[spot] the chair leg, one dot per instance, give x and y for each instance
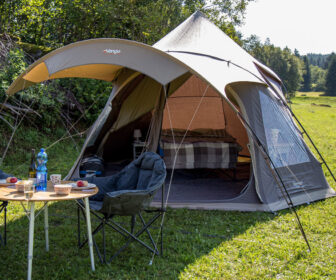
(104, 242)
(148, 233)
(131, 236)
(133, 218)
(134, 237)
(3, 207)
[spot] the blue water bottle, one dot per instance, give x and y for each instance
(41, 171)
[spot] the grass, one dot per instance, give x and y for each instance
(61, 155)
(198, 244)
(311, 93)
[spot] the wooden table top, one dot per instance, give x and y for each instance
(10, 194)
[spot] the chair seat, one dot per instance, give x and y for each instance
(95, 205)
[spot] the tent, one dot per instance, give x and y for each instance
(204, 103)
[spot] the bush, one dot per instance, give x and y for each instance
(63, 100)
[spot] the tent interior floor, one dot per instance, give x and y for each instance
(205, 185)
(199, 185)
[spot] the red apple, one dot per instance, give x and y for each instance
(13, 179)
(80, 184)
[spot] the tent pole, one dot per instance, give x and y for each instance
(301, 125)
(311, 141)
(276, 176)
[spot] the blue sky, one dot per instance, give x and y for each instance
(307, 25)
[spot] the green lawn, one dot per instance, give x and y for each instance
(198, 244)
(311, 93)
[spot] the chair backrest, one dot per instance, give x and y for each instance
(148, 174)
(151, 171)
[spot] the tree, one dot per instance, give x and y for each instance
(297, 53)
(282, 61)
(53, 23)
(306, 86)
(318, 76)
(331, 78)
(328, 60)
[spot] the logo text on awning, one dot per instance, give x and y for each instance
(111, 51)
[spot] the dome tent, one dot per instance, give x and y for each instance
(195, 78)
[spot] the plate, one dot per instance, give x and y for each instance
(3, 183)
(89, 186)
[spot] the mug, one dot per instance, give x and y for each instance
(55, 178)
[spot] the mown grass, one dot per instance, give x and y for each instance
(311, 93)
(198, 244)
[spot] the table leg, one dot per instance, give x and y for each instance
(31, 239)
(5, 221)
(88, 222)
(46, 227)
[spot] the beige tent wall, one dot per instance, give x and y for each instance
(134, 112)
(214, 117)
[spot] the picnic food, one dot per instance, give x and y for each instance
(81, 183)
(21, 184)
(11, 180)
(64, 189)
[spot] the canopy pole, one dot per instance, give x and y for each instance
(301, 125)
(166, 91)
(276, 176)
(312, 142)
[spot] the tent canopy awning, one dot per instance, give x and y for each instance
(100, 59)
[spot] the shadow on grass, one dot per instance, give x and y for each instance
(188, 235)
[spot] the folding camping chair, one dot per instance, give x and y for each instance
(128, 193)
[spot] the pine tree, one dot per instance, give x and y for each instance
(331, 78)
(306, 76)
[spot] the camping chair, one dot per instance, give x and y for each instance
(127, 193)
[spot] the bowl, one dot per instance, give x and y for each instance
(21, 184)
(64, 189)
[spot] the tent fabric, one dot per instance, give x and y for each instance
(302, 173)
(207, 80)
(100, 59)
(197, 39)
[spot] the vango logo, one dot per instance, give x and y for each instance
(110, 51)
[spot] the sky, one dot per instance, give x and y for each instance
(307, 25)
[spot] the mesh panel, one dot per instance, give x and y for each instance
(285, 146)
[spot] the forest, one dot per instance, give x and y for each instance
(31, 28)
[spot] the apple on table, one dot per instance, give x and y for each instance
(82, 183)
(11, 180)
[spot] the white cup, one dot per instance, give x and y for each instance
(55, 178)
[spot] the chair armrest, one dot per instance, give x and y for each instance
(127, 192)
